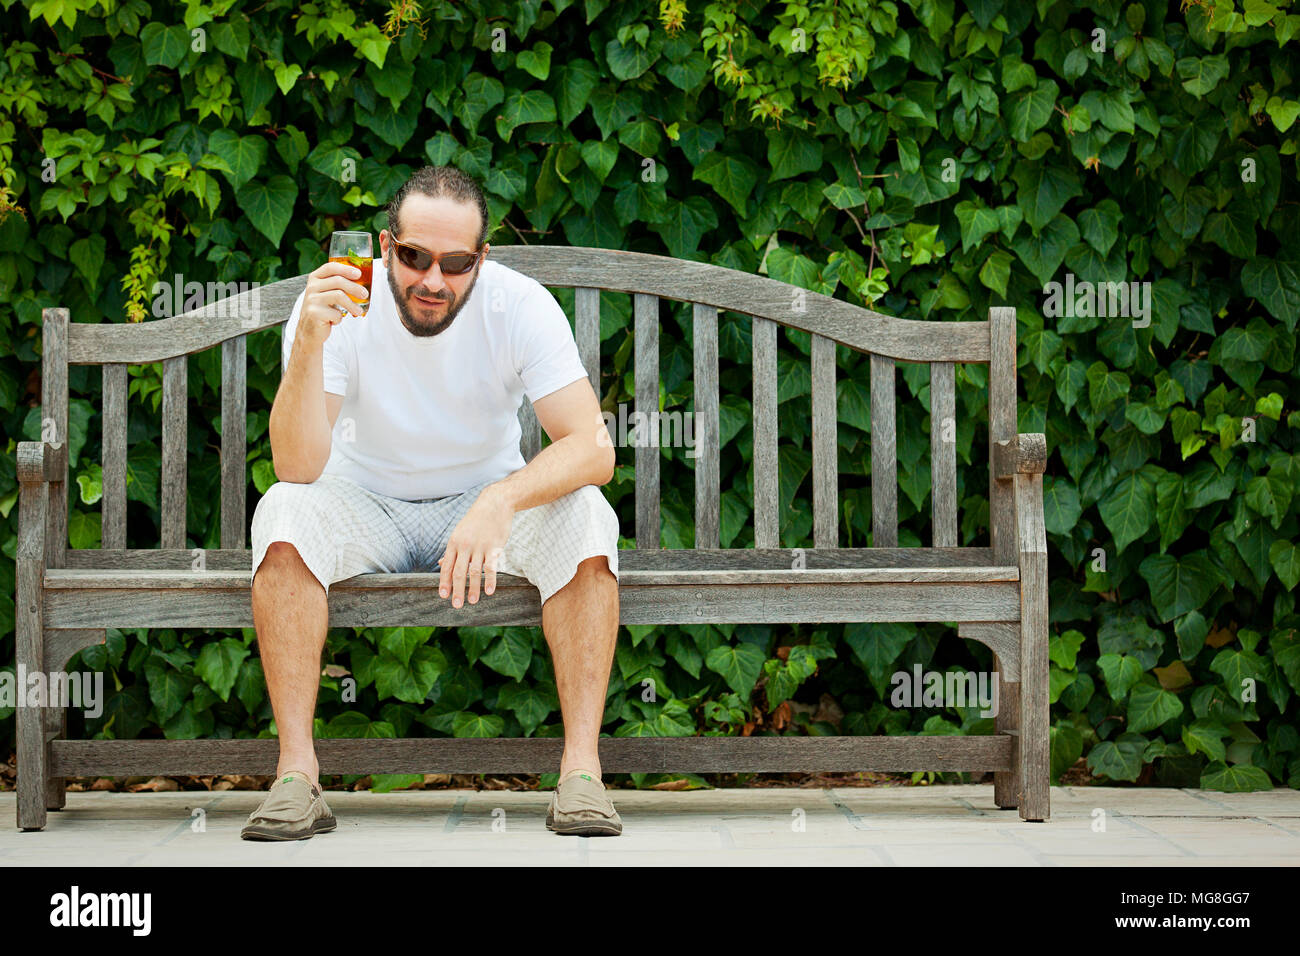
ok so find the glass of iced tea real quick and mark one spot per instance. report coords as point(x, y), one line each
point(355, 249)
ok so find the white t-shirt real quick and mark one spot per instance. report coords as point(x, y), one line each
point(433, 416)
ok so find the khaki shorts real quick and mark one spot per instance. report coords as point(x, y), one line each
point(341, 529)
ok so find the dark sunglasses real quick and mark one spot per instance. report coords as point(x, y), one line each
point(451, 263)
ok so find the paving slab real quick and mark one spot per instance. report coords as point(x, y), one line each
point(957, 825)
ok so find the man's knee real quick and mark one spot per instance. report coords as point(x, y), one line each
point(280, 557)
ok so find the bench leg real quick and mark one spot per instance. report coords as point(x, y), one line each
point(1006, 783)
point(56, 728)
point(1035, 736)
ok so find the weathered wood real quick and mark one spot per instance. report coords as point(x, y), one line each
point(29, 628)
point(766, 467)
point(175, 418)
point(68, 579)
point(884, 455)
point(56, 728)
point(1006, 784)
point(729, 289)
point(1035, 739)
point(586, 332)
point(825, 459)
point(120, 758)
point(142, 343)
point(1023, 454)
point(530, 431)
point(60, 645)
point(234, 445)
point(149, 559)
point(54, 419)
point(353, 604)
point(1002, 427)
point(645, 355)
point(570, 267)
point(707, 430)
point(1002, 638)
point(943, 454)
point(113, 459)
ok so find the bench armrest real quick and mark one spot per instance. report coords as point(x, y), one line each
point(41, 461)
point(1026, 454)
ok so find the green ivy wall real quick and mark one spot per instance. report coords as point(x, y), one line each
point(930, 158)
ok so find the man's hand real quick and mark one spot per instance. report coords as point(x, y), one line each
point(475, 547)
point(329, 289)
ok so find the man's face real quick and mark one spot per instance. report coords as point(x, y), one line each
point(428, 301)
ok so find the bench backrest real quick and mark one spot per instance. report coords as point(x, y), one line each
point(648, 278)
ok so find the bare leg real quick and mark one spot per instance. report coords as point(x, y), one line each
point(291, 616)
point(580, 622)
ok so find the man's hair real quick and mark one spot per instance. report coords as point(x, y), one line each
point(435, 181)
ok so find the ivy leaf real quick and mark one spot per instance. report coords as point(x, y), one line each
point(164, 46)
point(1276, 284)
point(1044, 191)
point(1119, 759)
point(1241, 778)
point(529, 106)
point(218, 665)
point(1150, 706)
point(467, 724)
point(738, 664)
point(511, 654)
point(1061, 505)
point(1029, 112)
point(243, 154)
point(733, 177)
point(1179, 586)
point(269, 205)
point(1232, 230)
point(1129, 509)
point(1285, 558)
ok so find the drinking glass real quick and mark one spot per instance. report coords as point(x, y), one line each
point(355, 249)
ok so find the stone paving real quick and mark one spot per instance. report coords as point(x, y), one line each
point(885, 826)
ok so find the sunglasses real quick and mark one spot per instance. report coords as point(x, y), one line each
point(451, 263)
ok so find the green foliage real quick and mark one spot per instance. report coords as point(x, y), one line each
point(928, 159)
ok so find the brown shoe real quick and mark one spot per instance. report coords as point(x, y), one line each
point(579, 807)
point(294, 810)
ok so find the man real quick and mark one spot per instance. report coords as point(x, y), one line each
point(395, 439)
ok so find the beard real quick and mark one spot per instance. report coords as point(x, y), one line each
point(418, 319)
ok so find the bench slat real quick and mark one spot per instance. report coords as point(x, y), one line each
point(54, 413)
point(215, 559)
point(1002, 427)
point(234, 445)
point(825, 432)
point(530, 431)
point(586, 305)
point(122, 758)
point(943, 454)
point(113, 458)
point(360, 605)
point(884, 455)
point(708, 503)
point(69, 578)
point(766, 464)
point(645, 350)
point(174, 420)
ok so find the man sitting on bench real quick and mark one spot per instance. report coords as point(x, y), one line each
point(395, 439)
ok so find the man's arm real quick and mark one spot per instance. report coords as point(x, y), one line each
point(303, 413)
point(577, 455)
point(580, 454)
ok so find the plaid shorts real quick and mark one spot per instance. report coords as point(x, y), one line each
point(341, 529)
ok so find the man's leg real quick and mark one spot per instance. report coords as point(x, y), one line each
point(580, 622)
point(291, 616)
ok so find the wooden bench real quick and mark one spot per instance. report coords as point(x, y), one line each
point(997, 595)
